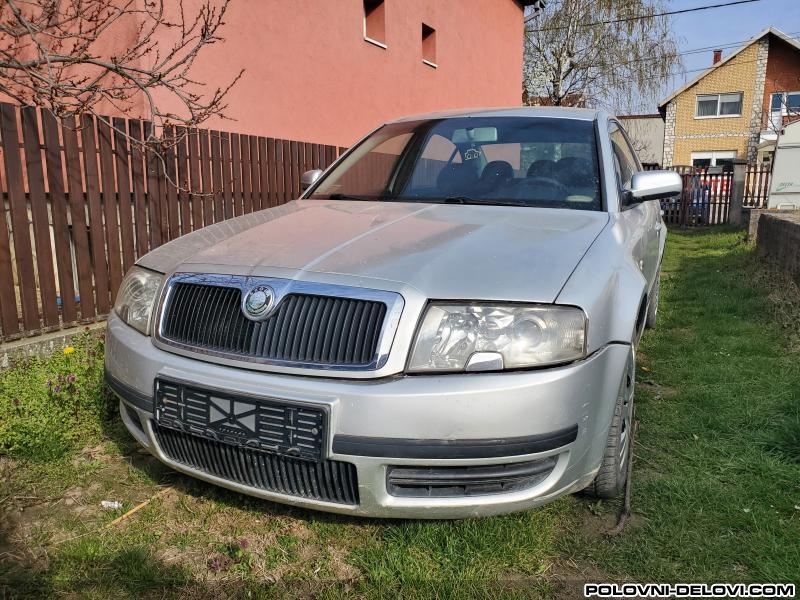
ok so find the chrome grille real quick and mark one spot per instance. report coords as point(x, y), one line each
point(326, 480)
point(203, 313)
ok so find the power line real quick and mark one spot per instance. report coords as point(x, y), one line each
point(696, 51)
point(791, 34)
point(626, 19)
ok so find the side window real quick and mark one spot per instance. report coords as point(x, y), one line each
point(625, 161)
point(438, 153)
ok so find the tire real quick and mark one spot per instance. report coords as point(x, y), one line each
point(652, 308)
point(613, 474)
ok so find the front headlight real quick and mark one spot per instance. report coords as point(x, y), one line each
point(137, 297)
point(481, 336)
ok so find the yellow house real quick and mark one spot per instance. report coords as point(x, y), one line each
point(724, 113)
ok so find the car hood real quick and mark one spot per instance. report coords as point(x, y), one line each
point(446, 251)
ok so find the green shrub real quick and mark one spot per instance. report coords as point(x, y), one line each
point(50, 406)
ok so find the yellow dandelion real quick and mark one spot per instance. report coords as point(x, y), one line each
point(69, 350)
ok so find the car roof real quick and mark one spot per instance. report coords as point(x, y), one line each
point(561, 112)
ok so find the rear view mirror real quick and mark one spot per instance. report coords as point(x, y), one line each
point(474, 134)
point(655, 185)
point(309, 178)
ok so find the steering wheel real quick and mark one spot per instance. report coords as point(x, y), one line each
point(558, 188)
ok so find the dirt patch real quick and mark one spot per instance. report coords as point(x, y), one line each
point(656, 390)
point(569, 576)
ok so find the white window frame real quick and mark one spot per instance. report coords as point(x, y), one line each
point(713, 156)
point(784, 103)
point(373, 40)
point(718, 116)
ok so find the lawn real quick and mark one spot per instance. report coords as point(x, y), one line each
point(716, 489)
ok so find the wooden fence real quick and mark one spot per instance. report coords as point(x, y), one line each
point(706, 196)
point(756, 187)
point(81, 203)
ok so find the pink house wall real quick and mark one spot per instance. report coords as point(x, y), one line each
point(311, 76)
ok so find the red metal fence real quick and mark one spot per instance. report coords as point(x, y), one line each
point(81, 203)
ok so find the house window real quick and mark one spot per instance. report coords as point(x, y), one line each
point(783, 104)
point(375, 22)
point(428, 45)
point(788, 103)
point(717, 158)
point(719, 105)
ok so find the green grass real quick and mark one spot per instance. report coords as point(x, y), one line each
point(717, 479)
point(716, 486)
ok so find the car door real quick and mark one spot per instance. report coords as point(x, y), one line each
point(642, 220)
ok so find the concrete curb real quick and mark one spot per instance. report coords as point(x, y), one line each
point(41, 345)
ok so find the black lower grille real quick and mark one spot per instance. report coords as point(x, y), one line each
point(326, 480)
point(442, 482)
point(304, 328)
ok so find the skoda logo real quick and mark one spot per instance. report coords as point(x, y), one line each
point(258, 302)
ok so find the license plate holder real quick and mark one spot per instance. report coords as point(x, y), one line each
point(268, 424)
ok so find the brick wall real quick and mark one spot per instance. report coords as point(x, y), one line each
point(740, 74)
point(783, 72)
point(779, 240)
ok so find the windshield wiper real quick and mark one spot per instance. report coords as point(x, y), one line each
point(338, 196)
point(487, 201)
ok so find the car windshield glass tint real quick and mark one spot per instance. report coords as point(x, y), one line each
point(521, 161)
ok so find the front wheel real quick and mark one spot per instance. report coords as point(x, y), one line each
point(613, 473)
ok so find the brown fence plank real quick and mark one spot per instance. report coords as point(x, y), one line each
point(255, 173)
point(236, 174)
point(295, 146)
point(767, 176)
point(195, 196)
point(181, 135)
point(96, 231)
point(77, 207)
point(286, 149)
point(59, 209)
point(227, 178)
point(40, 216)
point(244, 153)
point(272, 181)
point(170, 184)
point(137, 177)
point(216, 174)
point(9, 316)
point(20, 227)
point(110, 211)
point(156, 200)
point(308, 157)
point(207, 186)
point(125, 196)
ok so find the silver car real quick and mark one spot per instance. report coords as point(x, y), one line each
point(444, 325)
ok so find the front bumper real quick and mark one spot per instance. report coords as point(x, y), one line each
point(406, 421)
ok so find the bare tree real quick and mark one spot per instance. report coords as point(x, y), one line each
point(598, 53)
point(54, 53)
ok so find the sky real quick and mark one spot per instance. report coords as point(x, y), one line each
point(725, 26)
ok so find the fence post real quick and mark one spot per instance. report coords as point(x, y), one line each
point(737, 191)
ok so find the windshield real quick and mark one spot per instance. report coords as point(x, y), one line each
point(521, 161)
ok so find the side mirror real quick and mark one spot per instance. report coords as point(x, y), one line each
point(309, 178)
point(654, 185)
